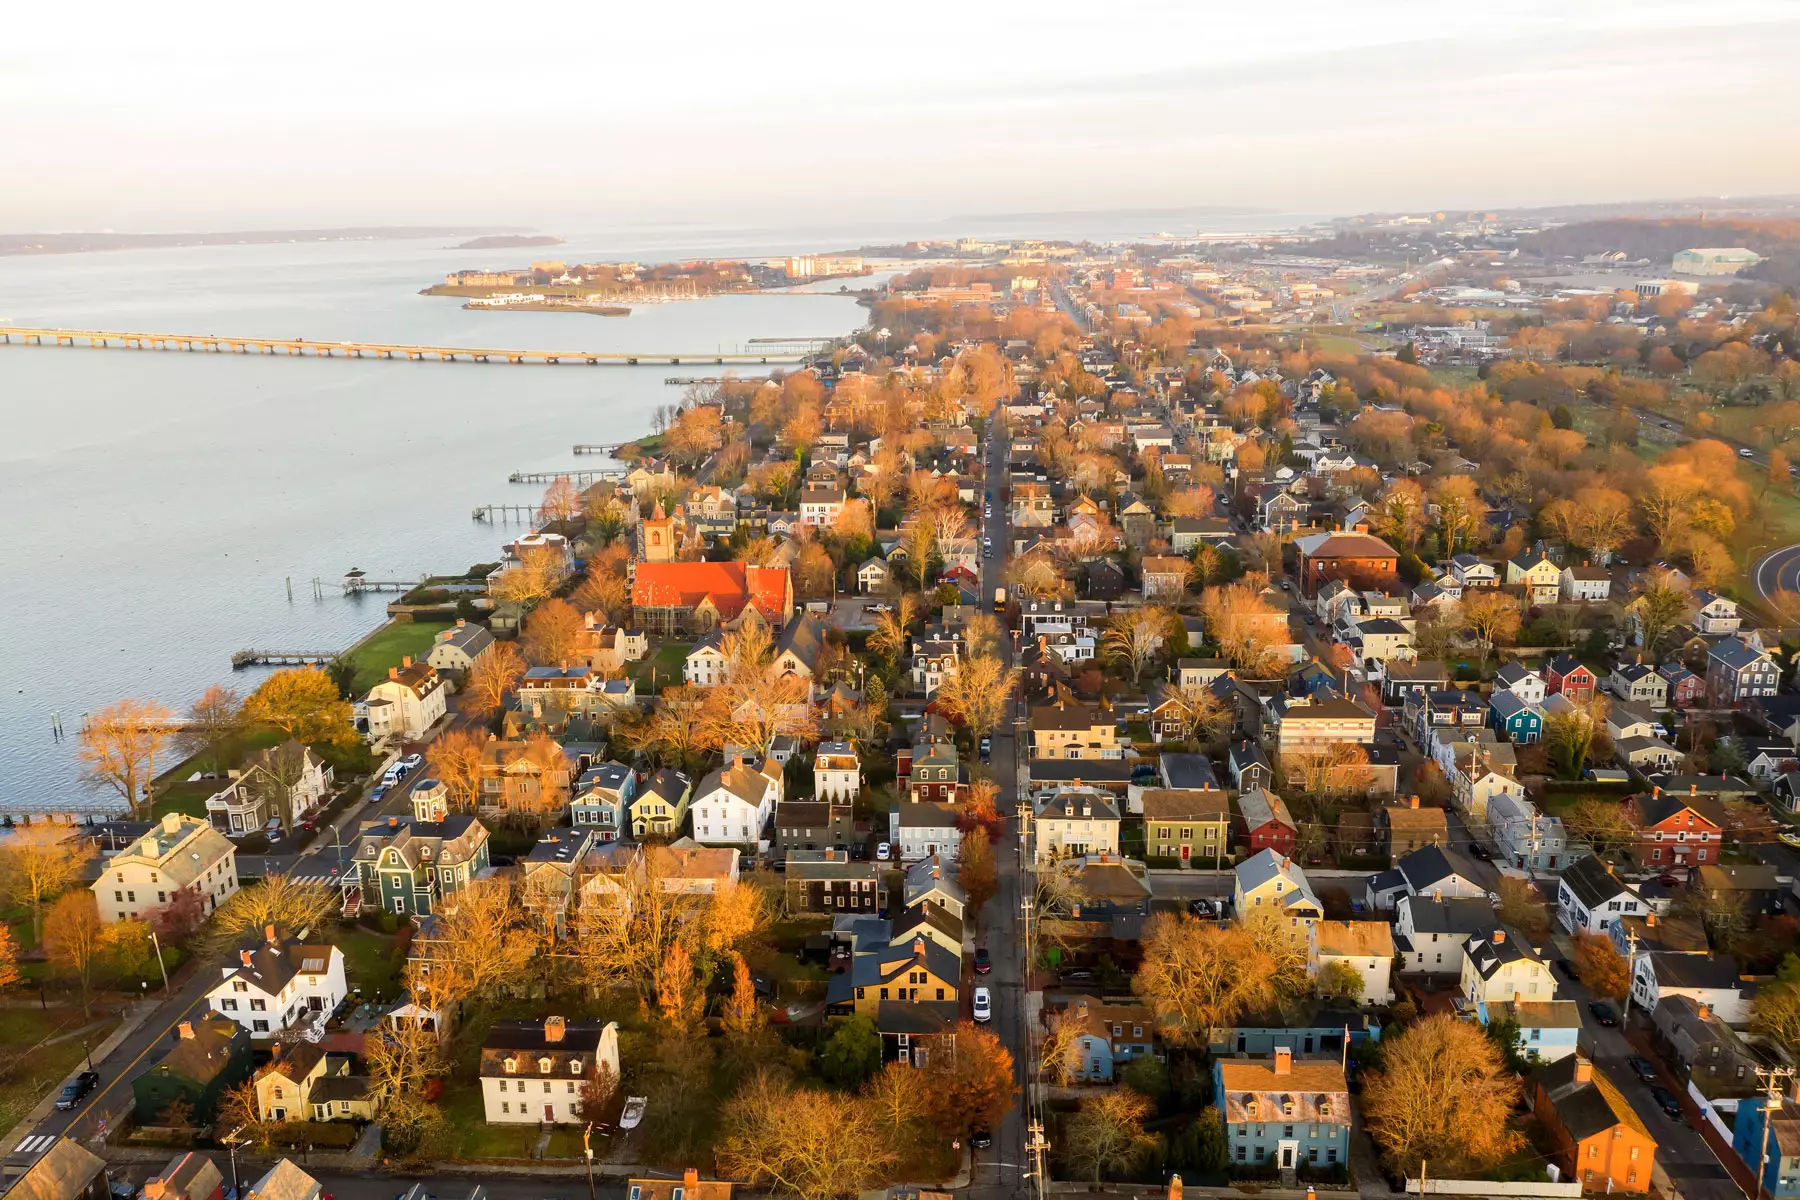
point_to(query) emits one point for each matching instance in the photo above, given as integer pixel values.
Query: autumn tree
(1493, 616)
(1522, 907)
(303, 703)
(969, 1082)
(239, 1113)
(9, 957)
(1442, 1094)
(603, 589)
(1399, 512)
(1338, 980)
(532, 578)
(73, 939)
(1202, 716)
(476, 949)
(1199, 977)
(562, 501)
(757, 701)
(977, 692)
(39, 862)
(1107, 1134)
(291, 905)
(1775, 1013)
(119, 748)
(1600, 823)
(742, 1019)
(1657, 608)
(1135, 636)
(1602, 968)
(215, 726)
(976, 871)
(454, 759)
(1246, 627)
(802, 1142)
(553, 634)
(492, 678)
(1460, 510)
(1569, 735)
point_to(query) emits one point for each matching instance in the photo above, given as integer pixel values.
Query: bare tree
(119, 748)
(41, 861)
(215, 725)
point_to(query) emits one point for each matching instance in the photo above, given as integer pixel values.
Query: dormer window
(544, 1066)
(574, 1066)
(512, 1066)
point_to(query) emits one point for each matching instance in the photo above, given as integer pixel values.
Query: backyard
(387, 646)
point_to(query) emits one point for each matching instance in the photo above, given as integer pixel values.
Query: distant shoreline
(509, 241)
(24, 244)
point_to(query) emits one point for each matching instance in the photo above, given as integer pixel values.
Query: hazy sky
(573, 116)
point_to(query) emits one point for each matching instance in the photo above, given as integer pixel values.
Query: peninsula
(509, 241)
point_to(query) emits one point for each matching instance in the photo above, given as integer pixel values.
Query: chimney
(1414, 802)
(1650, 919)
(244, 957)
(1693, 789)
(155, 1189)
(186, 1030)
(1584, 1070)
(171, 823)
(1437, 893)
(460, 622)
(393, 822)
(393, 672)
(1284, 1060)
(1499, 937)
(1174, 1187)
(554, 1028)
(919, 945)
(1518, 996)
(269, 934)
(406, 662)
(690, 1181)
(1657, 790)
(1705, 1011)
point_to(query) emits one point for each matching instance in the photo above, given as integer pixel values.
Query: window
(259, 1027)
(544, 1065)
(506, 1108)
(512, 1065)
(258, 1006)
(546, 1087)
(228, 1005)
(1241, 1152)
(571, 1089)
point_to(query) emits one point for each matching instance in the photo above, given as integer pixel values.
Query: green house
(207, 1058)
(406, 866)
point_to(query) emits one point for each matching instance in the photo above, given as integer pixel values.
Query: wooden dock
(759, 350)
(282, 658)
(687, 380)
(525, 514)
(580, 478)
(607, 448)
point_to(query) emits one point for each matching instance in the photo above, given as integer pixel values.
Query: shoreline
(603, 310)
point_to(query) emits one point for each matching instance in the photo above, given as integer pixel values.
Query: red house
(1268, 821)
(1356, 556)
(1675, 830)
(1566, 675)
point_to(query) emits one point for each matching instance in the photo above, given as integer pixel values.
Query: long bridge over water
(762, 350)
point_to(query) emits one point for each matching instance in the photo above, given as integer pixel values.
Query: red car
(983, 964)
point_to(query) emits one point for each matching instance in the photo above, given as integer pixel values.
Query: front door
(1187, 852)
(1287, 1154)
(550, 1113)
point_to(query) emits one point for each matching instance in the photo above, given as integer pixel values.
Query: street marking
(35, 1143)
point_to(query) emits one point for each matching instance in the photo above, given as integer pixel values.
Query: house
(1401, 679)
(820, 506)
(733, 804)
(689, 1187)
(278, 787)
(1704, 1052)
(826, 881)
(1269, 882)
(1435, 871)
(1501, 965)
(1738, 670)
(1585, 585)
(1751, 888)
(412, 699)
(309, 1084)
(1185, 826)
(1249, 767)
(1357, 557)
(273, 984)
(1322, 725)
(409, 866)
(911, 987)
(921, 829)
(1646, 755)
(1590, 898)
(1548, 1030)
(1600, 1140)
(1536, 574)
(1709, 980)
(672, 598)
(1032, 507)
(533, 1072)
(929, 885)
(1521, 681)
(1282, 1112)
(837, 772)
(208, 1057)
(1774, 1155)
(66, 1171)
(1480, 774)
(1102, 1039)
(1067, 728)
(1665, 932)
(874, 576)
(1267, 822)
(1165, 577)
(1673, 830)
(1636, 683)
(178, 853)
(602, 799)
(1111, 899)
(934, 772)
(1717, 615)
(1430, 931)
(189, 1176)
(1766, 760)
(661, 807)
(1524, 838)
(813, 825)
(1518, 720)
(1565, 675)
(1073, 822)
(459, 647)
(1404, 828)
(705, 664)
(1366, 947)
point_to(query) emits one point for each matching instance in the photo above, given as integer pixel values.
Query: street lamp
(587, 1151)
(157, 942)
(231, 1145)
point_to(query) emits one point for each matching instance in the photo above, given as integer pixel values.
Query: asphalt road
(1779, 570)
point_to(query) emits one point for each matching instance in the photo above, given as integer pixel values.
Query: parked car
(1078, 975)
(1790, 838)
(983, 964)
(1603, 1012)
(633, 1113)
(1665, 1100)
(1480, 851)
(379, 794)
(412, 762)
(1201, 907)
(884, 852)
(1567, 968)
(1643, 1068)
(984, 1005)
(76, 1090)
(987, 748)
(980, 1138)
(1746, 452)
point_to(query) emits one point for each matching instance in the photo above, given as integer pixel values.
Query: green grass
(661, 669)
(26, 1074)
(371, 963)
(388, 645)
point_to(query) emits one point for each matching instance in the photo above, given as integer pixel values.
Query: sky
(571, 117)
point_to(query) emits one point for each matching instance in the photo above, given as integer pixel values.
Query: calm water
(152, 505)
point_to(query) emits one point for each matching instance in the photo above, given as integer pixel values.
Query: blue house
(603, 797)
(1283, 1111)
(1521, 722)
(1548, 1029)
(1107, 1038)
(1781, 1174)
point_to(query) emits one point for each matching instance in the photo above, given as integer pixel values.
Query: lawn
(29, 1070)
(388, 645)
(175, 792)
(661, 669)
(462, 1105)
(371, 963)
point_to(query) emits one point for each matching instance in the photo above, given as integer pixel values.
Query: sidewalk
(134, 1018)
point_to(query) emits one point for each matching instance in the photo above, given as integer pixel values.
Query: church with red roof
(693, 597)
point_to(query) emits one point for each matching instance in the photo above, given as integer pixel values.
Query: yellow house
(1533, 571)
(1069, 729)
(919, 971)
(662, 806)
(1271, 886)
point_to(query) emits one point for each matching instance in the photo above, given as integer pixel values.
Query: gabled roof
(731, 586)
(1189, 772)
(1696, 971)
(1265, 867)
(1180, 804)
(1594, 885)
(64, 1172)
(1260, 806)
(1464, 915)
(1587, 1109)
(1430, 865)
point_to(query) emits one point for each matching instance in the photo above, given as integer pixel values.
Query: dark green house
(206, 1059)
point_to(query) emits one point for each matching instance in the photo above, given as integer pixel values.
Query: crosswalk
(37, 1143)
(323, 877)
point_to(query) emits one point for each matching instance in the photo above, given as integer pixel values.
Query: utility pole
(1035, 1147)
(1771, 1081)
(1631, 944)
